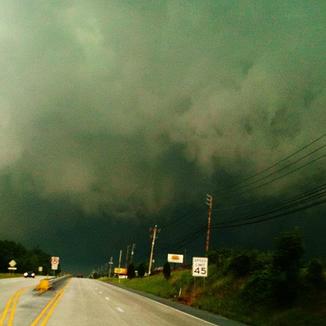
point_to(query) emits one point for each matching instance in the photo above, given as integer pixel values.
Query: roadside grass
(8, 275)
(155, 284)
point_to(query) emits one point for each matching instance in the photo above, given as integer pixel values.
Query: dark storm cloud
(96, 96)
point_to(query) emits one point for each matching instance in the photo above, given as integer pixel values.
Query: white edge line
(165, 305)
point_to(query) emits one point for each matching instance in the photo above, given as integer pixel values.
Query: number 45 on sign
(199, 266)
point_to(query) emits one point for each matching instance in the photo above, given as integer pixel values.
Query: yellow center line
(49, 308)
(44, 310)
(50, 312)
(14, 306)
(4, 314)
(11, 306)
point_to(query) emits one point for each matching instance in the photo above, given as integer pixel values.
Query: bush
(261, 288)
(131, 271)
(167, 270)
(141, 270)
(240, 265)
(288, 254)
(315, 273)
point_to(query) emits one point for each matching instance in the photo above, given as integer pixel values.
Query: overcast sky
(115, 114)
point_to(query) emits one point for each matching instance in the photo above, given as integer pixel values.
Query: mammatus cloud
(96, 97)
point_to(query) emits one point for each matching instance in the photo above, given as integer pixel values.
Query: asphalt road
(15, 295)
(89, 302)
(84, 302)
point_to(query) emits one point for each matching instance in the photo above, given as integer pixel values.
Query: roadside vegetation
(255, 287)
(26, 259)
(9, 275)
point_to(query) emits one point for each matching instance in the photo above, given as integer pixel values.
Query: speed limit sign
(199, 266)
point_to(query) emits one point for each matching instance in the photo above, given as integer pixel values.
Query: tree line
(26, 259)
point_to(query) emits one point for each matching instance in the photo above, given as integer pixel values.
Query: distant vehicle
(29, 274)
(80, 275)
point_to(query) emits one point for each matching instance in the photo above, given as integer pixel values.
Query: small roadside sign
(40, 269)
(199, 266)
(120, 271)
(175, 258)
(12, 268)
(54, 263)
(12, 263)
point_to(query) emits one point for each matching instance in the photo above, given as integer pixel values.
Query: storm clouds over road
(124, 113)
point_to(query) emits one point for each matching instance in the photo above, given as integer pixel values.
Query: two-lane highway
(86, 302)
(89, 302)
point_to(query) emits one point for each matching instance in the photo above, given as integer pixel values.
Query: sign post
(12, 266)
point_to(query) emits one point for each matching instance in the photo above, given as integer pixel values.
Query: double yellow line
(48, 310)
(10, 308)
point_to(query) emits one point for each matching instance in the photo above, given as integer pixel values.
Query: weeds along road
(85, 302)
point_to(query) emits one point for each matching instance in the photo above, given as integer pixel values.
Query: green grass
(7, 275)
(155, 285)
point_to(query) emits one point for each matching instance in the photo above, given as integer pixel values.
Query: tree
(141, 270)
(240, 265)
(131, 271)
(167, 270)
(315, 273)
(286, 264)
(289, 252)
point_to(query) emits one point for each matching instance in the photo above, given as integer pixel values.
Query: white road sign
(12, 268)
(54, 263)
(199, 266)
(12, 263)
(175, 258)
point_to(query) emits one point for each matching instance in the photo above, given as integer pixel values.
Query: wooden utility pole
(154, 232)
(120, 257)
(209, 202)
(110, 265)
(127, 256)
(132, 253)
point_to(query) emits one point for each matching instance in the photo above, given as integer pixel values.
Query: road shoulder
(202, 314)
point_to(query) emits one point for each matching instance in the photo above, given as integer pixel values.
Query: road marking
(11, 306)
(14, 306)
(162, 304)
(120, 309)
(107, 298)
(48, 310)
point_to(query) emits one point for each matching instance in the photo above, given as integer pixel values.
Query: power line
(283, 168)
(244, 181)
(310, 205)
(257, 202)
(288, 204)
(296, 205)
(285, 174)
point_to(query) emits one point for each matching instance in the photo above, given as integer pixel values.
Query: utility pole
(127, 256)
(209, 202)
(110, 264)
(154, 232)
(132, 253)
(120, 256)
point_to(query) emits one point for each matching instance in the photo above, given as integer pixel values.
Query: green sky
(116, 113)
